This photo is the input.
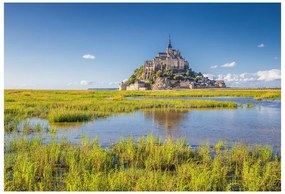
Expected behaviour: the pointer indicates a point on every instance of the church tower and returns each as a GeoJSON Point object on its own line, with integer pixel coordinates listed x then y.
{"type": "Point", "coordinates": [169, 50]}
{"type": "Point", "coordinates": [169, 42]}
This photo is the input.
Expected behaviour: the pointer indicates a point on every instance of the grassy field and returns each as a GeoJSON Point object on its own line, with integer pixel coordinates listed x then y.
{"type": "Point", "coordinates": [144, 165]}
{"type": "Point", "coordinates": [256, 94]}
{"type": "Point", "coordinates": [73, 106]}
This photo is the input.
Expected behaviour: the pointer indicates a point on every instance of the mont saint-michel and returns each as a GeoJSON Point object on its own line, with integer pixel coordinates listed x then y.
{"type": "Point", "coordinates": [67, 127]}
{"type": "Point", "coordinates": [168, 70]}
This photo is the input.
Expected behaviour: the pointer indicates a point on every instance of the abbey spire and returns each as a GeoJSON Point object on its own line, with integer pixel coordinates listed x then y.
{"type": "Point", "coordinates": [169, 42]}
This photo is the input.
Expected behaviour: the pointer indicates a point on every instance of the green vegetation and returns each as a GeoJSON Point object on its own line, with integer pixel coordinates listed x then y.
{"type": "Point", "coordinates": [256, 94]}
{"type": "Point", "coordinates": [63, 115]}
{"type": "Point", "coordinates": [249, 105]}
{"type": "Point", "coordinates": [171, 74]}
{"type": "Point", "coordinates": [73, 106]}
{"type": "Point", "coordinates": [136, 76]}
{"type": "Point", "coordinates": [178, 77]}
{"type": "Point", "coordinates": [144, 165]}
{"type": "Point", "coordinates": [159, 73]}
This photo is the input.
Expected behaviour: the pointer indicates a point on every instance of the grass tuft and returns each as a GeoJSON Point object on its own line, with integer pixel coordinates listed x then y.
{"type": "Point", "coordinates": [147, 164]}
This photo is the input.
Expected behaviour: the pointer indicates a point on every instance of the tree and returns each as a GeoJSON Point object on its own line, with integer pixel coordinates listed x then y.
{"type": "Point", "coordinates": [150, 81]}
{"type": "Point", "coordinates": [131, 80]}
{"type": "Point", "coordinates": [168, 72]}
{"type": "Point", "coordinates": [188, 73]}
{"type": "Point", "coordinates": [177, 77]}
{"type": "Point", "coordinates": [158, 73]}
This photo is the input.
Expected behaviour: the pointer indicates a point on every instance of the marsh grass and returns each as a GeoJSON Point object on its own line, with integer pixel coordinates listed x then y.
{"type": "Point", "coordinates": [147, 164]}
{"type": "Point", "coordinates": [76, 106]}
{"type": "Point", "coordinates": [63, 115]}
{"type": "Point", "coordinates": [249, 105]}
{"type": "Point", "coordinates": [256, 94]}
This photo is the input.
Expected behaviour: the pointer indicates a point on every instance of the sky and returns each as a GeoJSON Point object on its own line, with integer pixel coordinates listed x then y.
{"type": "Point", "coordinates": [95, 45]}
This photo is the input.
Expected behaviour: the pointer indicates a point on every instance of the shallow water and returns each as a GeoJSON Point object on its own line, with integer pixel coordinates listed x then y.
{"type": "Point", "coordinates": [258, 125]}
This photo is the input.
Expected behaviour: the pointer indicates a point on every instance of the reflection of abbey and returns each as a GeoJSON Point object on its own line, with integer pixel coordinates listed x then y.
{"type": "Point", "coordinates": [166, 71]}
{"type": "Point", "coordinates": [170, 60]}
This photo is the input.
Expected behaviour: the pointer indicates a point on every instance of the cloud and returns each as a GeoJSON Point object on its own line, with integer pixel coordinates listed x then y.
{"type": "Point", "coordinates": [85, 83]}
{"type": "Point", "coordinates": [229, 65]}
{"type": "Point", "coordinates": [114, 83]}
{"type": "Point", "coordinates": [271, 75]}
{"type": "Point", "coordinates": [248, 77]}
{"type": "Point", "coordinates": [88, 56]}
{"type": "Point", "coordinates": [244, 78]}
{"type": "Point", "coordinates": [214, 67]}
{"type": "Point", "coordinates": [276, 58]}
{"type": "Point", "coordinates": [210, 76]}
{"type": "Point", "coordinates": [261, 45]}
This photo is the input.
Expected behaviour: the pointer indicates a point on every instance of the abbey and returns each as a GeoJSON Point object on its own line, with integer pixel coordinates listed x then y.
{"type": "Point", "coordinates": [167, 71]}
{"type": "Point", "coordinates": [170, 60]}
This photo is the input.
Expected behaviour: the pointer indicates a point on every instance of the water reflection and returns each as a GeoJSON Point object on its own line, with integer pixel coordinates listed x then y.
{"type": "Point", "coordinates": [258, 125]}
{"type": "Point", "coordinates": [65, 125]}
{"type": "Point", "coordinates": [170, 120]}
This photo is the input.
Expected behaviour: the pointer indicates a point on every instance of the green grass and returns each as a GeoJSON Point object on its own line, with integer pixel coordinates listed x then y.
{"type": "Point", "coordinates": [144, 165]}
{"type": "Point", "coordinates": [256, 94]}
{"type": "Point", "coordinates": [62, 115]}
{"type": "Point", "coordinates": [249, 105]}
{"type": "Point", "coordinates": [76, 106]}
{"type": "Point", "coordinates": [73, 106]}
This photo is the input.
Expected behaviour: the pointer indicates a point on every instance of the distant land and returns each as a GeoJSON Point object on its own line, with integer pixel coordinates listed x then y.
{"type": "Point", "coordinates": [103, 88]}
{"type": "Point", "coordinates": [227, 88]}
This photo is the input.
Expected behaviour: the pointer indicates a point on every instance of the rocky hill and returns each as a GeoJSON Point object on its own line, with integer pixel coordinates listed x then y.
{"type": "Point", "coordinates": [168, 70]}
{"type": "Point", "coordinates": [168, 80]}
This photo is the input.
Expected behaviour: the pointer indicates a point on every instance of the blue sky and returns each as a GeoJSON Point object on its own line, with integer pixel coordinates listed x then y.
{"type": "Point", "coordinates": [45, 43]}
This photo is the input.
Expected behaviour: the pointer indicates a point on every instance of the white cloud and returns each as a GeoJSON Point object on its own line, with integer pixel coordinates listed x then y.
{"type": "Point", "coordinates": [85, 83]}
{"type": "Point", "coordinates": [238, 78]}
{"type": "Point", "coordinates": [214, 67]}
{"type": "Point", "coordinates": [261, 45]}
{"type": "Point", "coordinates": [248, 79]}
{"type": "Point", "coordinates": [231, 77]}
{"type": "Point", "coordinates": [229, 65]}
{"type": "Point", "coordinates": [276, 58]}
{"type": "Point", "coordinates": [88, 56]}
{"type": "Point", "coordinates": [114, 83]}
{"type": "Point", "coordinates": [210, 76]}
{"type": "Point", "coordinates": [270, 75]}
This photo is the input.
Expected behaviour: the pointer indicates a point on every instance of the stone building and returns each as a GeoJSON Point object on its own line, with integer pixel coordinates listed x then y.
{"type": "Point", "coordinates": [122, 86]}
{"type": "Point", "coordinates": [170, 60]}
{"type": "Point", "coordinates": [138, 85]}
{"type": "Point", "coordinates": [175, 74]}
{"type": "Point", "coordinates": [220, 84]}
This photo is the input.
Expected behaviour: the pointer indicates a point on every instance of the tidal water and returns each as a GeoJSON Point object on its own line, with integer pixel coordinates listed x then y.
{"type": "Point", "coordinates": [258, 125]}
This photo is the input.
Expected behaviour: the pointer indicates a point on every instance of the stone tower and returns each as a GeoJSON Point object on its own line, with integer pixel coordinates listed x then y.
{"type": "Point", "coordinates": [169, 50]}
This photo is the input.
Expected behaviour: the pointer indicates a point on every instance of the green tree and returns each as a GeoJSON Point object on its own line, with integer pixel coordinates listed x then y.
{"type": "Point", "coordinates": [177, 77]}
{"type": "Point", "coordinates": [158, 73]}
{"type": "Point", "coordinates": [168, 72]}
{"type": "Point", "coordinates": [150, 81]}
